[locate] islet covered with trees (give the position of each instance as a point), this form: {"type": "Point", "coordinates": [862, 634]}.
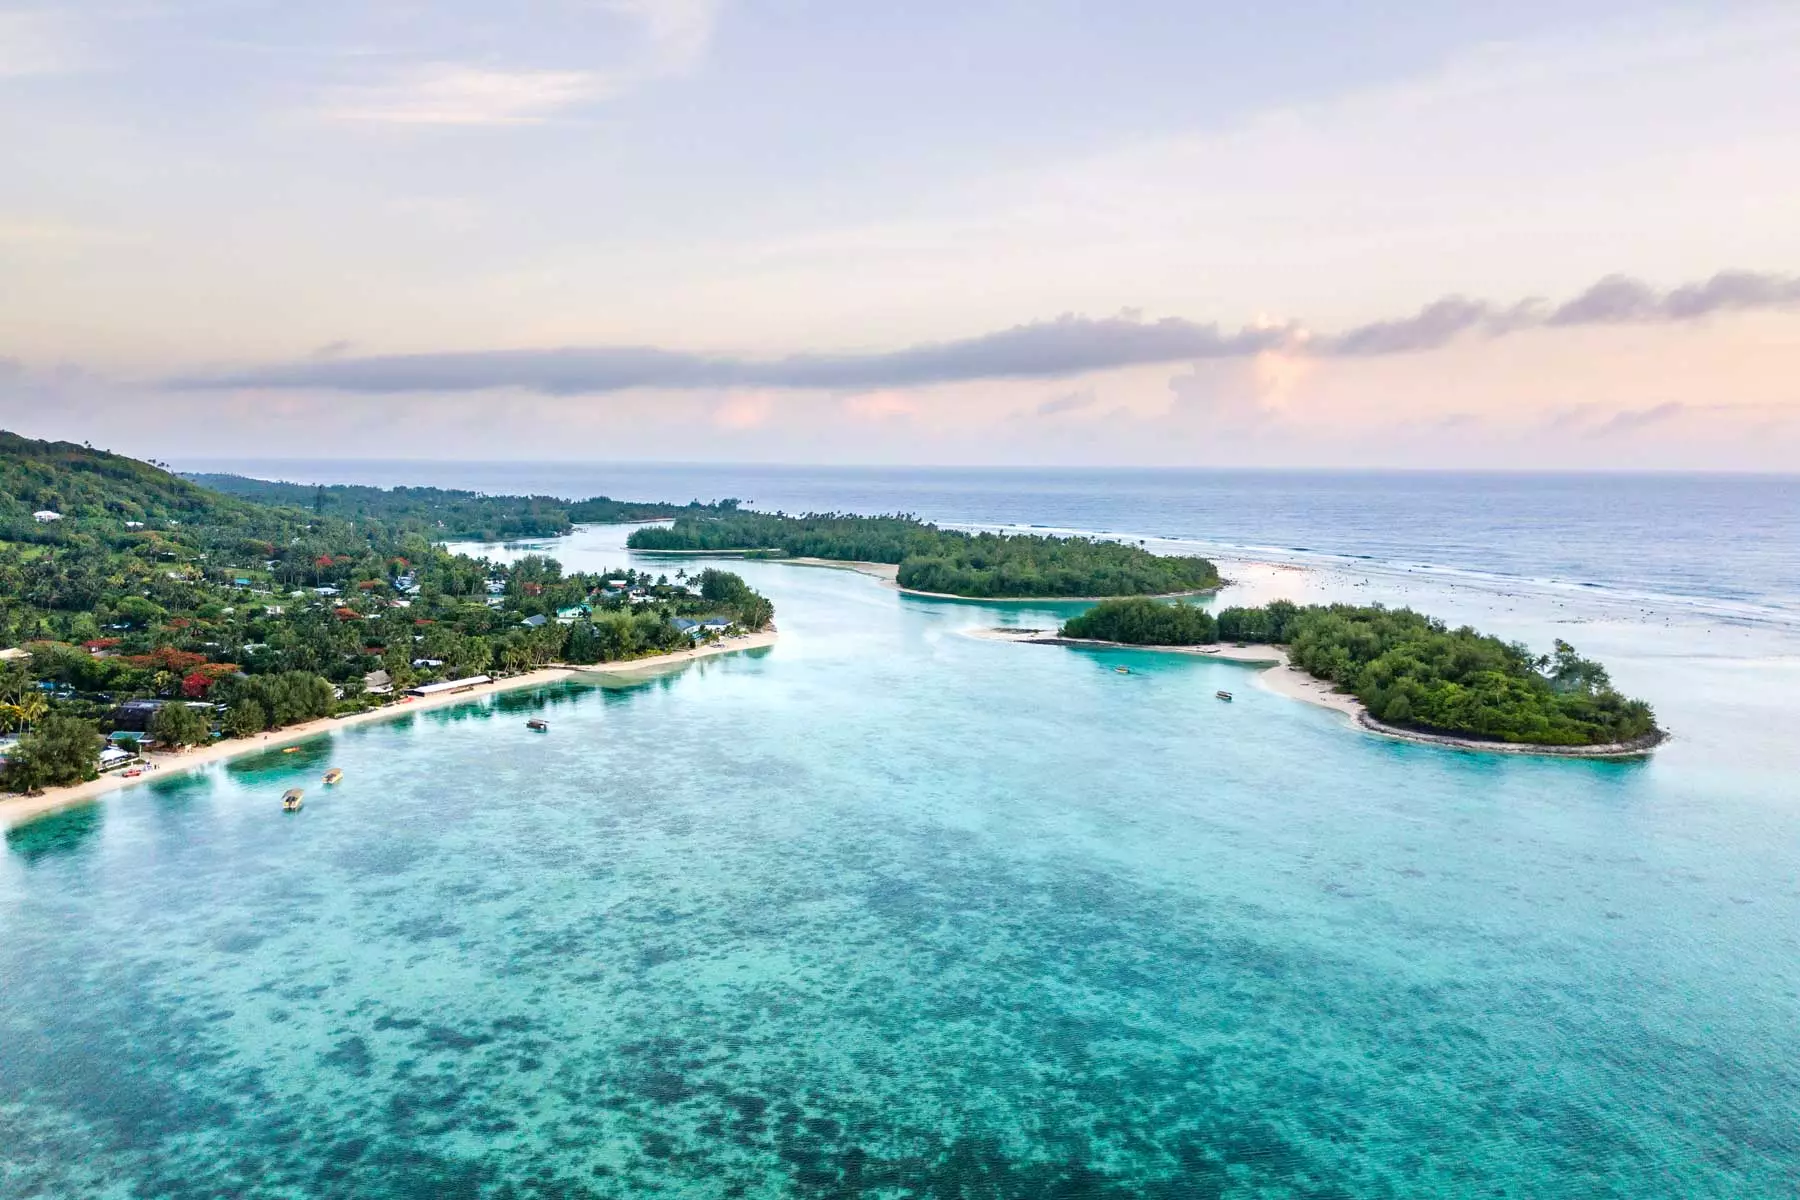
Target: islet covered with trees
{"type": "Point", "coordinates": [945, 561]}
{"type": "Point", "coordinates": [1407, 669]}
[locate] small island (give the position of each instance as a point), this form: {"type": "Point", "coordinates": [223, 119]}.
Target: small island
{"type": "Point", "coordinates": [940, 562]}
{"type": "Point", "coordinates": [141, 610]}
{"type": "Point", "coordinates": [1409, 675]}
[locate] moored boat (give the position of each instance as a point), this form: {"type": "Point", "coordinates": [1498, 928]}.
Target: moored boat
{"type": "Point", "coordinates": [333, 775]}
{"type": "Point", "coordinates": [1225, 696]}
{"type": "Point", "coordinates": [292, 799]}
{"type": "Point", "coordinates": [539, 724]}
{"type": "Point", "coordinates": [1122, 670]}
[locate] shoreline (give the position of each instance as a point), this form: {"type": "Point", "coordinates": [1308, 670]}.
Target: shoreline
{"type": "Point", "coordinates": [657, 662]}
{"type": "Point", "coordinates": [1280, 676]}
{"type": "Point", "coordinates": [17, 809]}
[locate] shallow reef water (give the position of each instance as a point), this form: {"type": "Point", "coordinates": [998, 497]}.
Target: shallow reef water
{"type": "Point", "coordinates": [890, 911]}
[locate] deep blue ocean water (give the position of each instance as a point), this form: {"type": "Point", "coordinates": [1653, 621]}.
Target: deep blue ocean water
{"type": "Point", "coordinates": [888, 910]}
{"type": "Point", "coordinates": [1729, 538]}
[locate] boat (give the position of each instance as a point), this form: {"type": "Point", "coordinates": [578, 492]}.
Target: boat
{"type": "Point", "coordinates": [291, 750]}
{"type": "Point", "coordinates": [333, 775]}
{"type": "Point", "coordinates": [292, 799]}
{"type": "Point", "coordinates": [1225, 696]}
{"type": "Point", "coordinates": [1122, 670]}
{"type": "Point", "coordinates": [539, 724]}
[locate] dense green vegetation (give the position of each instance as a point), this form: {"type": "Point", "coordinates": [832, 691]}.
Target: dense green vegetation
{"type": "Point", "coordinates": [1407, 669]}
{"type": "Point", "coordinates": [61, 750]}
{"type": "Point", "coordinates": [448, 515]}
{"type": "Point", "coordinates": [942, 560]}
{"type": "Point", "coordinates": [146, 586]}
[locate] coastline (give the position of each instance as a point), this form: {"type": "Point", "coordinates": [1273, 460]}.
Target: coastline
{"type": "Point", "coordinates": [17, 809]}
{"type": "Point", "coordinates": [1280, 676]}
{"type": "Point", "coordinates": [889, 573]}
{"type": "Point", "coordinates": [657, 662]}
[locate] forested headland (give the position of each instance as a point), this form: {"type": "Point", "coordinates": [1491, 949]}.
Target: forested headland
{"type": "Point", "coordinates": [448, 514]}
{"type": "Point", "coordinates": [121, 582]}
{"type": "Point", "coordinates": [1408, 670]}
{"type": "Point", "coordinates": [946, 561]}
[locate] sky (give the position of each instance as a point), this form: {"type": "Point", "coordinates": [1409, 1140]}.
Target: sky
{"type": "Point", "coordinates": [1159, 232]}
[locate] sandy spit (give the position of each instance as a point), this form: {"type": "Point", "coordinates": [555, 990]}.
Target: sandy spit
{"type": "Point", "coordinates": [1283, 678]}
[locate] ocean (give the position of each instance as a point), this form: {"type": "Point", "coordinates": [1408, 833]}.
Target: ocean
{"type": "Point", "coordinates": [1728, 539]}
{"type": "Point", "coordinates": [889, 910]}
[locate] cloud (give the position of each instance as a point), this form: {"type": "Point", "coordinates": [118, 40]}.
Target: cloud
{"type": "Point", "coordinates": [1050, 349]}
{"type": "Point", "coordinates": [1437, 324]}
{"type": "Point", "coordinates": [1618, 298]}
{"type": "Point", "coordinates": [1633, 421]}
{"type": "Point", "coordinates": [1073, 402]}
{"type": "Point", "coordinates": [450, 94]}
{"type": "Point", "coordinates": [666, 38]}
{"type": "Point", "coordinates": [39, 43]}
{"type": "Point", "coordinates": [1067, 346]}
{"type": "Point", "coordinates": [676, 33]}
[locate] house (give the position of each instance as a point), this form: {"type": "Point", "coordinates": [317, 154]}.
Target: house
{"type": "Point", "coordinates": [496, 587]}
{"type": "Point", "coordinates": [325, 591]}
{"type": "Point", "coordinates": [133, 716]}
{"type": "Point", "coordinates": [378, 683]}
{"type": "Point", "coordinates": [495, 601]}
{"type": "Point", "coordinates": [691, 628]}
{"type": "Point", "coordinates": [134, 524]}
{"type": "Point", "coordinates": [44, 516]}
{"type": "Point", "coordinates": [535, 621]}
{"type": "Point", "coordinates": [570, 615]}
{"type": "Point", "coordinates": [112, 758]}
{"type": "Point", "coordinates": [428, 662]}
{"type": "Point", "coordinates": [715, 624]}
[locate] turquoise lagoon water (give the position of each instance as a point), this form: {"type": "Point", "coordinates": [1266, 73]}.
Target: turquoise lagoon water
{"type": "Point", "coordinates": [888, 910]}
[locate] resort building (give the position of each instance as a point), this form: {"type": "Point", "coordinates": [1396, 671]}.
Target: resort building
{"type": "Point", "coordinates": [44, 516]}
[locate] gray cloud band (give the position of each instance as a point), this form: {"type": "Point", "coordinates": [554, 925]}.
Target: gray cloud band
{"type": "Point", "coordinates": [1045, 350]}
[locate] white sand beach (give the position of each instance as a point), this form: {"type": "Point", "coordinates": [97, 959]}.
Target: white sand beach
{"type": "Point", "coordinates": [15, 809]}
{"type": "Point", "coordinates": [1284, 679]}
{"type": "Point", "coordinates": [658, 662]}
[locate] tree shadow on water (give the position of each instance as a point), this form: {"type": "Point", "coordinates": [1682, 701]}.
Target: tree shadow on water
{"type": "Point", "coordinates": [58, 835]}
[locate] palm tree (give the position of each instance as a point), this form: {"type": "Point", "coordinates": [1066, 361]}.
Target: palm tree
{"type": "Point", "coordinates": [11, 717]}
{"type": "Point", "coordinates": [31, 708]}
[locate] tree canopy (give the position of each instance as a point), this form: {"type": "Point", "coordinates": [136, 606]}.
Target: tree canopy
{"type": "Point", "coordinates": [1408, 669]}
{"type": "Point", "coordinates": [444, 514]}
{"type": "Point", "coordinates": [149, 586]}
{"type": "Point", "coordinates": [946, 561]}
